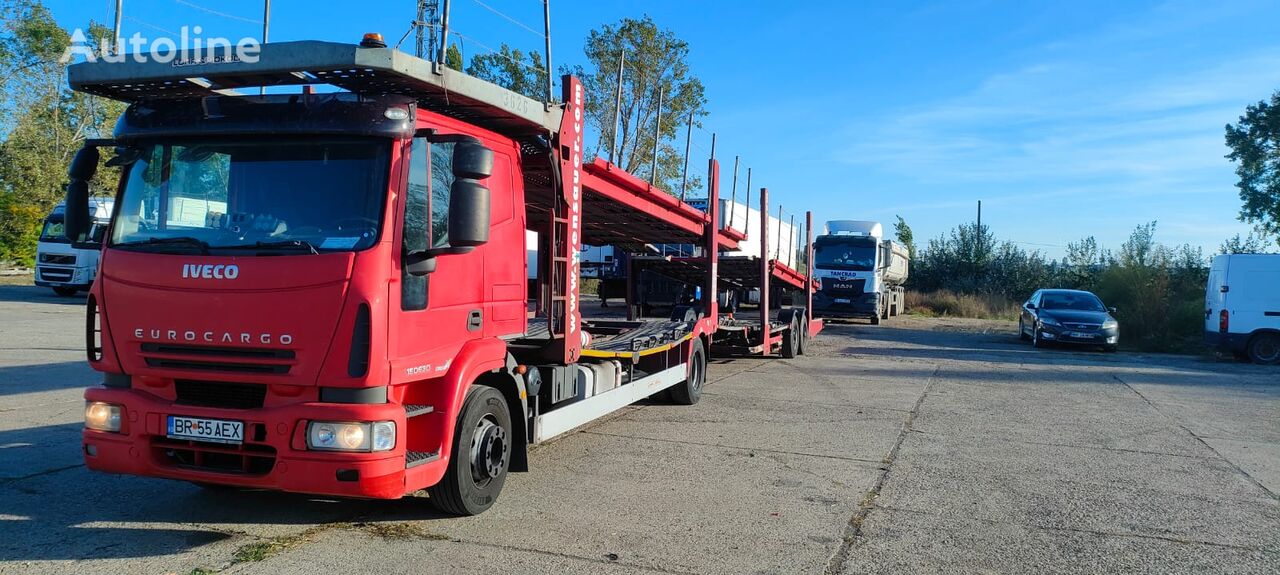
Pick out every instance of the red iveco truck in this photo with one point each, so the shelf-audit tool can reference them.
(326, 292)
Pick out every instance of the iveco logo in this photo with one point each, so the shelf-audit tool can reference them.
(212, 272)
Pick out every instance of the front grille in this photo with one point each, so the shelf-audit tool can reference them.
(55, 275)
(64, 259)
(244, 459)
(220, 394)
(220, 359)
(843, 285)
(1082, 326)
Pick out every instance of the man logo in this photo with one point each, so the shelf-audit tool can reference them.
(211, 272)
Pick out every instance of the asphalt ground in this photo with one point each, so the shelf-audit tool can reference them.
(918, 446)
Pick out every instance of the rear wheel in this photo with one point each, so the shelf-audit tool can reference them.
(791, 341)
(1264, 349)
(688, 392)
(65, 291)
(1022, 331)
(480, 458)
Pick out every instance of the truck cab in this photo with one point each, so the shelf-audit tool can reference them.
(66, 266)
(861, 272)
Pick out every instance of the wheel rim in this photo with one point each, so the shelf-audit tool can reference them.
(489, 450)
(1267, 349)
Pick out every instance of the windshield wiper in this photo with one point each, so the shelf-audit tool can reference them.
(189, 241)
(301, 244)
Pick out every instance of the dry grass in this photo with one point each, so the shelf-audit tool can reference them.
(946, 303)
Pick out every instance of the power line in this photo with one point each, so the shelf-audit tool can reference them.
(216, 13)
(509, 19)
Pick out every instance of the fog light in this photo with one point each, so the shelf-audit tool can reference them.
(340, 436)
(1112, 339)
(1047, 335)
(102, 416)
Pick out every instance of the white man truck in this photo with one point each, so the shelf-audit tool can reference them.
(861, 272)
(1242, 306)
(65, 266)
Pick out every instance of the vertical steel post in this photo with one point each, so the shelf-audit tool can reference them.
(546, 24)
(617, 109)
(115, 45)
(710, 291)
(791, 241)
(746, 226)
(266, 33)
(688, 139)
(631, 287)
(733, 201)
(808, 271)
(444, 36)
(778, 254)
(657, 137)
(764, 272)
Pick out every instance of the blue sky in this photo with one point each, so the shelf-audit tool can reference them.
(1066, 119)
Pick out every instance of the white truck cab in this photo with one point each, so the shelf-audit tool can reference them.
(861, 272)
(1242, 306)
(66, 267)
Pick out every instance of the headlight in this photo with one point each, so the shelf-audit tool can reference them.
(102, 416)
(1110, 324)
(1050, 321)
(341, 436)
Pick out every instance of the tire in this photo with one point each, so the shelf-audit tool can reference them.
(875, 320)
(1036, 340)
(690, 391)
(480, 458)
(1022, 331)
(1264, 349)
(791, 342)
(804, 334)
(65, 291)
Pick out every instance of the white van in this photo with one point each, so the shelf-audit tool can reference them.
(66, 267)
(1242, 306)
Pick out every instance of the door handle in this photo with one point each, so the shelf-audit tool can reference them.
(475, 320)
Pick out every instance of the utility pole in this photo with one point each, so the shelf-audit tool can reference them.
(426, 26)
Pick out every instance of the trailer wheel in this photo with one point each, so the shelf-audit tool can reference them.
(1264, 349)
(791, 341)
(480, 458)
(690, 391)
(803, 320)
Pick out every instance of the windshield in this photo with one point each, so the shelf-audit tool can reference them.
(53, 230)
(265, 195)
(851, 256)
(1071, 301)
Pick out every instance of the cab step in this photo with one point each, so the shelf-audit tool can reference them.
(416, 458)
(416, 410)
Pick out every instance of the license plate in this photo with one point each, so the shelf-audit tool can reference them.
(1081, 335)
(200, 429)
(841, 300)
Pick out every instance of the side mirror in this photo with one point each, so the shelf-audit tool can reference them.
(1113, 310)
(468, 200)
(76, 220)
(420, 264)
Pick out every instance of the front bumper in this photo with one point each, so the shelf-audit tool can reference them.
(63, 276)
(841, 305)
(1104, 337)
(273, 456)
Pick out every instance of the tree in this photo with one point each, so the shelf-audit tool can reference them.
(44, 123)
(453, 57)
(1082, 264)
(1255, 147)
(655, 59)
(904, 235)
(512, 69)
(1250, 244)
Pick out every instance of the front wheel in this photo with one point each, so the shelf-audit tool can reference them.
(690, 391)
(480, 458)
(1036, 339)
(1264, 349)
